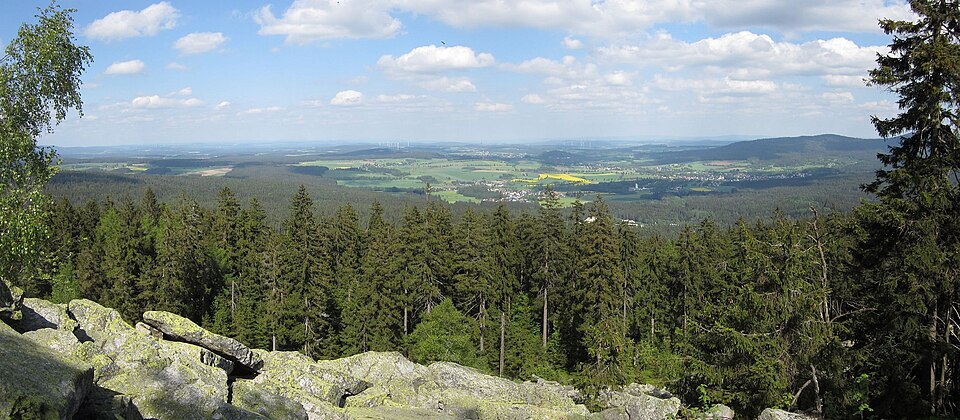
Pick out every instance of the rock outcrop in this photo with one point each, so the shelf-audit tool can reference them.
(37, 381)
(639, 402)
(179, 328)
(83, 360)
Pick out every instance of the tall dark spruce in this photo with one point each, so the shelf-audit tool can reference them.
(910, 238)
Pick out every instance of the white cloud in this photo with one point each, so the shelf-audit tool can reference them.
(618, 78)
(836, 80)
(128, 23)
(126, 67)
(838, 97)
(347, 97)
(187, 91)
(751, 55)
(717, 86)
(311, 20)
(200, 42)
(389, 99)
(223, 104)
(572, 43)
(177, 66)
(157, 101)
(306, 21)
(618, 17)
(533, 99)
(256, 111)
(449, 84)
(434, 59)
(491, 107)
(810, 15)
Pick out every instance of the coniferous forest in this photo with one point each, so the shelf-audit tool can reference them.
(843, 314)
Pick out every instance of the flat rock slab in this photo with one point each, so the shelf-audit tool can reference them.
(179, 328)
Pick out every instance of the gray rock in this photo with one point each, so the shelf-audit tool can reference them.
(400, 388)
(248, 396)
(182, 329)
(320, 391)
(720, 412)
(39, 314)
(775, 414)
(164, 380)
(11, 297)
(38, 382)
(61, 342)
(639, 405)
(149, 330)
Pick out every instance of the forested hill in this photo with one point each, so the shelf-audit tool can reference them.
(780, 147)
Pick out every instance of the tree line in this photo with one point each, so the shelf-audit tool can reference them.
(783, 313)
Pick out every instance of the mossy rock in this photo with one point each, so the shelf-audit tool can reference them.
(321, 392)
(40, 314)
(38, 382)
(248, 396)
(179, 328)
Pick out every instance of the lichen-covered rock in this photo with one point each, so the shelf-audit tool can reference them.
(149, 330)
(37, 382)
(165, 380)
(558, 389)
(321, 391)
(248, 396)
(473, 393)
(183, 329)
(719, 412)
(11, 297)
(637, 404)
(39, 314)
(61, 342)
(399, 387)
(775, 414)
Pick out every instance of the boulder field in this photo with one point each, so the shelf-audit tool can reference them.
(81, 360)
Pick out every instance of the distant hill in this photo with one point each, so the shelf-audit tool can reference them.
(779, 148)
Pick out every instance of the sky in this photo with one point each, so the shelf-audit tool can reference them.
(178, 71)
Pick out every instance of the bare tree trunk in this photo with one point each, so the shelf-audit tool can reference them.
(405, 320)
(544, 316)
(816, 391)
(824, 275)
(483, 321)
(233, 302)
(503, 329)
(933, 363)
(273, 338)
(948, 332)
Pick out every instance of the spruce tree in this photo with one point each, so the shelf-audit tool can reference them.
(372, 321)
(910, 237)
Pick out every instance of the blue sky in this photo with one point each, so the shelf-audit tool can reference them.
(470, 70)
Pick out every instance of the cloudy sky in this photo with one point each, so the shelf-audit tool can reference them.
(182, 71)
